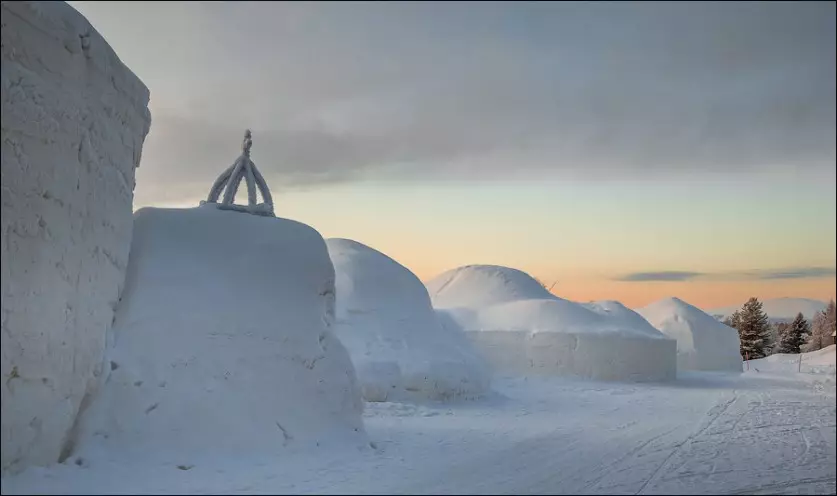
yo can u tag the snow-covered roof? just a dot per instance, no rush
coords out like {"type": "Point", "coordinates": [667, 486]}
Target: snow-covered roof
{"type": "Point", "coordinates": [230, 179]}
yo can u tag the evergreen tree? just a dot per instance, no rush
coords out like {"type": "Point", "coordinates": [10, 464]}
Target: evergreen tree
{"type": "Point", "coordinates": [822, 329]}
{"type": "Point", "coordinates": [794, 335]}
{"type": "Point", "coordinates": [733, 319]}
{"type": "Point", "coordinates": [753, 327]}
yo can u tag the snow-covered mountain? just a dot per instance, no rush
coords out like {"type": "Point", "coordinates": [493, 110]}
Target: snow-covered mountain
{"type": "Point", "coordinates": [779, 308]}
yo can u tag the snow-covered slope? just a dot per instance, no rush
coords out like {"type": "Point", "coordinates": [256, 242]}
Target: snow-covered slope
{"type": "Point", "coordinates": [73, 124]}
{"type": "Point", "coordinates": [779, 308]}
{"type": "Point", "coordinates": [223, 343]}
{"type": "Point", "coordinates": [703, 343]}
{"type": "Point", "coordinates": [822, 361]}
{"type": "Point", "coordinates": [392, 333]}
{"type": "Point", "coordinates": [521, 327]}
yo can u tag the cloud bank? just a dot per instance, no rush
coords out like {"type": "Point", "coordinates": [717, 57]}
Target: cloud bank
{"type": "Point", "coordinates": [754, 275]}
{"type": "Point", "coordinates": [335, 92]}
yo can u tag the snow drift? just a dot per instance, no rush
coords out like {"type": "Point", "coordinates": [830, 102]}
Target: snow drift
{"type": "Point", "coordinates": [822, 361]}
{"type": "Point", "coordinates": [521, 327]}
{"type": "Point", "coordinates": [396, 342]}
{"type": "Point", "coordinates": [73, 124]}
{"type": "Point", "coordinates": [703, 343]}
{"type": "Point", "coordinates": [222, 343]}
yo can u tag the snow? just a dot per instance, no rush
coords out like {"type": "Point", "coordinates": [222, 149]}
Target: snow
{"type": "Point", "coordinates": [396, 342]}
{"type": "Point", "coordinates": [522, 328]}
{"type": "Point", "coordinates": [705, 433]}
{"type": "Point", "coordinates": [73, 124]}
{"type": "Point", "coordinates": [779, 309]}
{"type": "Point", "coordinates": [814, 362]}
{"type": "Point", "coordinates": [222, 345]}
{"type": "Point", "coordinates": [703, 343]}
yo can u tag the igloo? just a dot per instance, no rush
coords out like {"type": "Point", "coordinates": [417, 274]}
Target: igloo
{"type": "Point", "coordinates": [703, 343]}
{"type": "Point", "coordinates": [223, 342]}
{"type": "Point", "coordinates": [396, 342]}
{"type": "Point", "coordinates": [520, 327]}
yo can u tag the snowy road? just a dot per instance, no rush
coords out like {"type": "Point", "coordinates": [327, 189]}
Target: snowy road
{"type": "Point", "coordinates": [704, 434]}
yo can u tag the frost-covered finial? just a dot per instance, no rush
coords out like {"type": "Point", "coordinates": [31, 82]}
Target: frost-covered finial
{"type": "Point", "coordinates": [227, 183]}
{"type": "Point", "coordinates": [248, 142]}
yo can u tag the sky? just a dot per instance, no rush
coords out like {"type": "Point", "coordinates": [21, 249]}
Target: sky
{"type": "Point", "coordinates": [626, 150]}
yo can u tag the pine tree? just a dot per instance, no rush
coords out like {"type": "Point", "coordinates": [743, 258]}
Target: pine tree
{"type": "Point", "coordinates": [733, 320]}
{"type": "Point", "coordinates": [793, 335]}
{"type": "Point", "coordinates": [822, 329]}
{"type": "Point", "coordinates": [753, 327]}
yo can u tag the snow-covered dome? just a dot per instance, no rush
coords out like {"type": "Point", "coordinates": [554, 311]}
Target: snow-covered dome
{"type": "Point", "coordinates": [703, 343]}
{"type": "Point", "coordinates": [229, 181]}
{"type": "Point", "coordinates": [386, 321]}
{"type": "Point", "coordinates": [483, 285]}
{"type": "Point", "coordinates": [517, 324]}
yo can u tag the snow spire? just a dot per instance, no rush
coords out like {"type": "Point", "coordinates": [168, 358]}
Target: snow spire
{"type": "Point", "coordinates": [230, 179]}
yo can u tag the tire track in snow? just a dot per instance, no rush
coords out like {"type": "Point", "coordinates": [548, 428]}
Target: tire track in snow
{"type": "Point", "coordinates": [719, 408]}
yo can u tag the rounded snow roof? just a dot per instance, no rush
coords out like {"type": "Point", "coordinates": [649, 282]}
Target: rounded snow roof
{"type": "Point", "coordinates": [369, 278]}
{"type": "Point", "coordinates": [483, 285]}
{"type": "Point", "coordinates": [703, 343]}
{"type": "Point", "coordinates": [493, 298]}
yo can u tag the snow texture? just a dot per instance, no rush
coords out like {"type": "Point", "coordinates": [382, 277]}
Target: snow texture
{"type": "Point", "coordinates": [74, 121]}
{"type": "Point", "coordinates": [396, 342]}
{"type": "Point", "coordinates": [522, 328]}
{"type": "Point", "coordinates": [814, 362]}
{"type": "Point", "coordinates": [705, 433]}
{"type": "Point", "coordinates": [703, 343]}
{"type": "Point", "coordinates": [223, 344]}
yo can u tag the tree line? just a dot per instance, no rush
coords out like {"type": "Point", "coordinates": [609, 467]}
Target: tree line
{"type": "Point", "coordinates": [759, 338]}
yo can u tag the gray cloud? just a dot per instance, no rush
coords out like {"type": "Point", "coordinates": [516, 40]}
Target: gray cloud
{"type": "Point", "coordinates": [670, 275]}
{"type": "Point", "coordinates": [432, 90]}
{"type": "Point", "coordinates": [763, 274]}
{"type": "Point", "coordinates": [797, 273]}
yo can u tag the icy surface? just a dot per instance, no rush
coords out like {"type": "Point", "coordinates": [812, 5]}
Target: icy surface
{"type": "Point", "coordinates": [703, 343]}
{"type": "Point", "coordinates": [73, 124]}
{"type": "Point", "coordinates": [222, 344]}
{"type": "Point", "coordinates": [705, 433]}
{"type": "Point", "coordinates": [396, 342]}
{"type": "Point", "coordinates": [520, 327]}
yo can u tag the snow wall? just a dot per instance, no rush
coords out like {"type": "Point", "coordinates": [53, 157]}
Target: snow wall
{"type": "Point", "coordinates": [521, 328]}
{"type": "Point", "coordinates": [703, 343]}
{"type": "Point", "coordinates": [73, 124]}
{"type": "Point", "coordinates": [222, 344]}
{"type": "Point", "coordinates": [396, 342]}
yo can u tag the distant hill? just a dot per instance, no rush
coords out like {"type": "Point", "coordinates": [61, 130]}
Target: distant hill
{"type": "Point", "coordinates": [778, 309]}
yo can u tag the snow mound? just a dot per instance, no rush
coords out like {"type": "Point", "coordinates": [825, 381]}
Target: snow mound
{"type": "Point", "coordinates": [223, 344]}
{"type": "Point", "coordinates": [386, 321]}
{"type": "Point", "coordinates": [74, 121]}
{"type": "Point", "coordinates": [521, 327]}
{"type": "Point", "coordinates": [703, 343]}
{"type": "Point", "coordinates": [822, 361]}
{"type": "Point", "coordinates": [474, 286]}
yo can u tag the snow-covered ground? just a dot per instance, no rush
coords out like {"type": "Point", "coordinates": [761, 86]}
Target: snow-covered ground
{"type": "Point", "coordinates": [815, 362]}
{"type": "Point", "coordinates": [705, 433]}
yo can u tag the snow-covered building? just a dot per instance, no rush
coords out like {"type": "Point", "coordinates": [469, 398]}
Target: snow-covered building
{"type": "Point", "coordinates": [223, 341]}
{"type": "Point", "coordinates": [396, 342]}
{"type": "Point", "coordinates": [74, 121]}
{"type": "Point", "coordinates": [703, 343]}
{"type": "Point", "coordinates": [521, 327]}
